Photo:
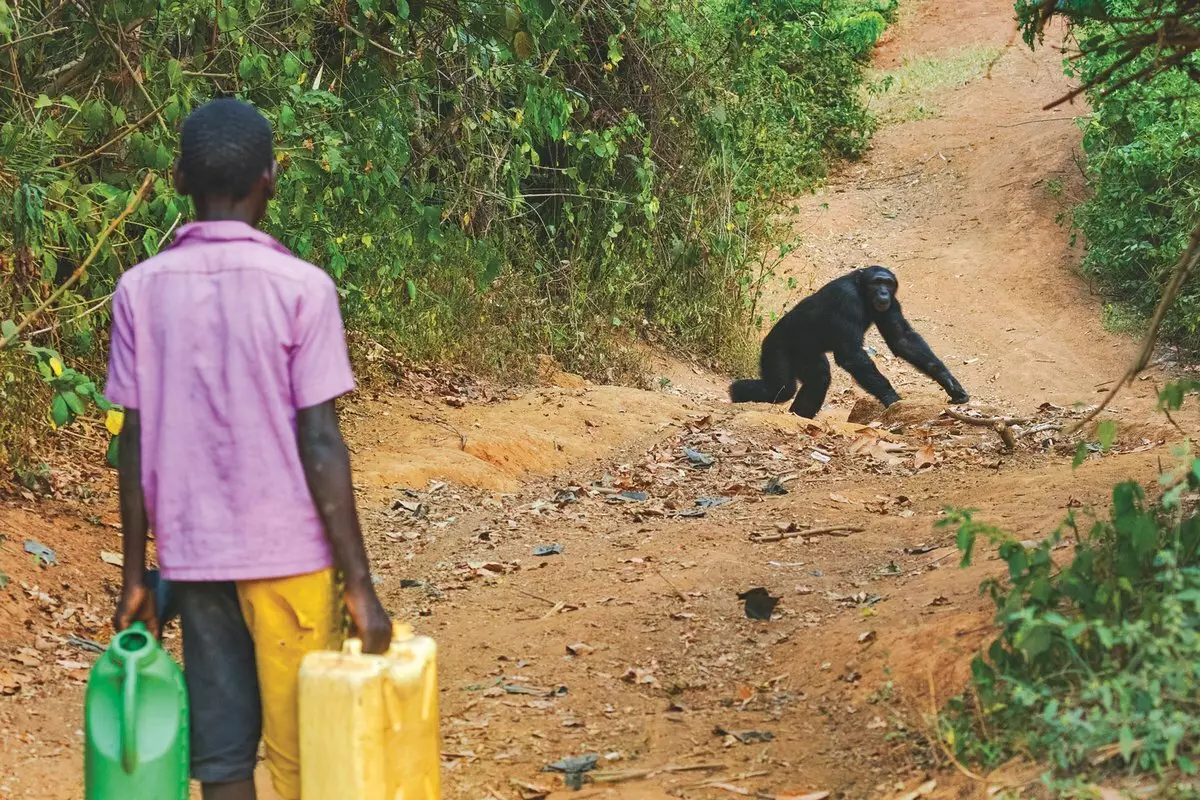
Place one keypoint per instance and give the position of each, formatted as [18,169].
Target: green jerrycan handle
[131,654]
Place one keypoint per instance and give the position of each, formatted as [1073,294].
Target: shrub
[485,182]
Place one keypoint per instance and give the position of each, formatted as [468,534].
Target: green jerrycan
[136,722]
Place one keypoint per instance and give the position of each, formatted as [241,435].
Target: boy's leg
[288,618]
[222,683]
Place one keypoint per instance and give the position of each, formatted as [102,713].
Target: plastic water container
[136,722]
[369,723]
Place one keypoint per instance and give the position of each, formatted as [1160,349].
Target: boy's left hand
[371,621]
[136,605]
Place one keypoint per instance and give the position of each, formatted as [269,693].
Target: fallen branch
[79,272]
[1001,425]
[1045,426]
[837,530]
[618,776]
[985,422]
[1183,268]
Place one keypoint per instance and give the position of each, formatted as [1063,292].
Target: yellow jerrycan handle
[401,632]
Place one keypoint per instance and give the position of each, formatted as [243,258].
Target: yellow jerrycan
[369,723]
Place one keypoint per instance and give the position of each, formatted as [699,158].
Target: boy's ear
[269,181]
[179,177]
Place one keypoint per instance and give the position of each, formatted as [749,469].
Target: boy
[227,354]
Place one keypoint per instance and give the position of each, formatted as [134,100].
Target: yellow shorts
[288,618]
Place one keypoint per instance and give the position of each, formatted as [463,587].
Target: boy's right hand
[136,605]
[371,622]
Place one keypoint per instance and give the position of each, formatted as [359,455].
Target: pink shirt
[217,341]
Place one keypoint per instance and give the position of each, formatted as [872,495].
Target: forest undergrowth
[486,182]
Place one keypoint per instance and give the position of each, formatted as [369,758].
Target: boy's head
[226,161]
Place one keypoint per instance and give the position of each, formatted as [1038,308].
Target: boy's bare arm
[136,603]
[327,470]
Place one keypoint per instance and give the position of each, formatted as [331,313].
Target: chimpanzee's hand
[958,396]
[371,622]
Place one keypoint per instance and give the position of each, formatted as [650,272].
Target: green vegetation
[902,94]
[1098,659]
[486,182]
[1143,157]
[1096,667]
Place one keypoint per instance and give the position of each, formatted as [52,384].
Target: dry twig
[836,530]
[79,272]
[1183,268]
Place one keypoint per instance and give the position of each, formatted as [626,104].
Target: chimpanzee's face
[880,288]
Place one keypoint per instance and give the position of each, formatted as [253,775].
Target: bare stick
[128,129]
[134,202]
[674,588]
[937,734]
[546,600]
[1183,268]
[984,422]
[838,530]
[637,774]
[1006,435]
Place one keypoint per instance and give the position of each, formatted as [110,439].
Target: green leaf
[1081,453]
[75,403]
[174,72]
[1127,742]
[1033,640]
[60,412]
[1106,433]
[43,102]
[49,266]
[113,451]
[8,330]
[412,290]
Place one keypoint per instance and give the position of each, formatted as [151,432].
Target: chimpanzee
[834,319]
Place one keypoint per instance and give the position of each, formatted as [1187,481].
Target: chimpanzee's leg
[813,372]
[778,382]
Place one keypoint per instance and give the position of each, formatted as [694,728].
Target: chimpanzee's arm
[855,360]
[908,344]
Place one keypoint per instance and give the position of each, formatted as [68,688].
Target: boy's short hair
[225,146]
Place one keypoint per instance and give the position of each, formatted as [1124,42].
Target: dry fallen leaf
[580,649]
[921,791]
[637,675]
[115,559]
[925,457]
[866,637]
[744,693]
[10,682]
[27,657]
[809,796]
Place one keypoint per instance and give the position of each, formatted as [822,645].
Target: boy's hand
[371,622]
[136,605]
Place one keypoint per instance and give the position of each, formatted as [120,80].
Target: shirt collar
[224,231]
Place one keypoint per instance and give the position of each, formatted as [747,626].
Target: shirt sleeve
[320,365]
[121,385]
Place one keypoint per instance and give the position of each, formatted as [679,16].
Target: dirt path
[632,642]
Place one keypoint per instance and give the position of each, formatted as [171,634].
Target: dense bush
[1143,158]
[1098,659]
[485,181]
